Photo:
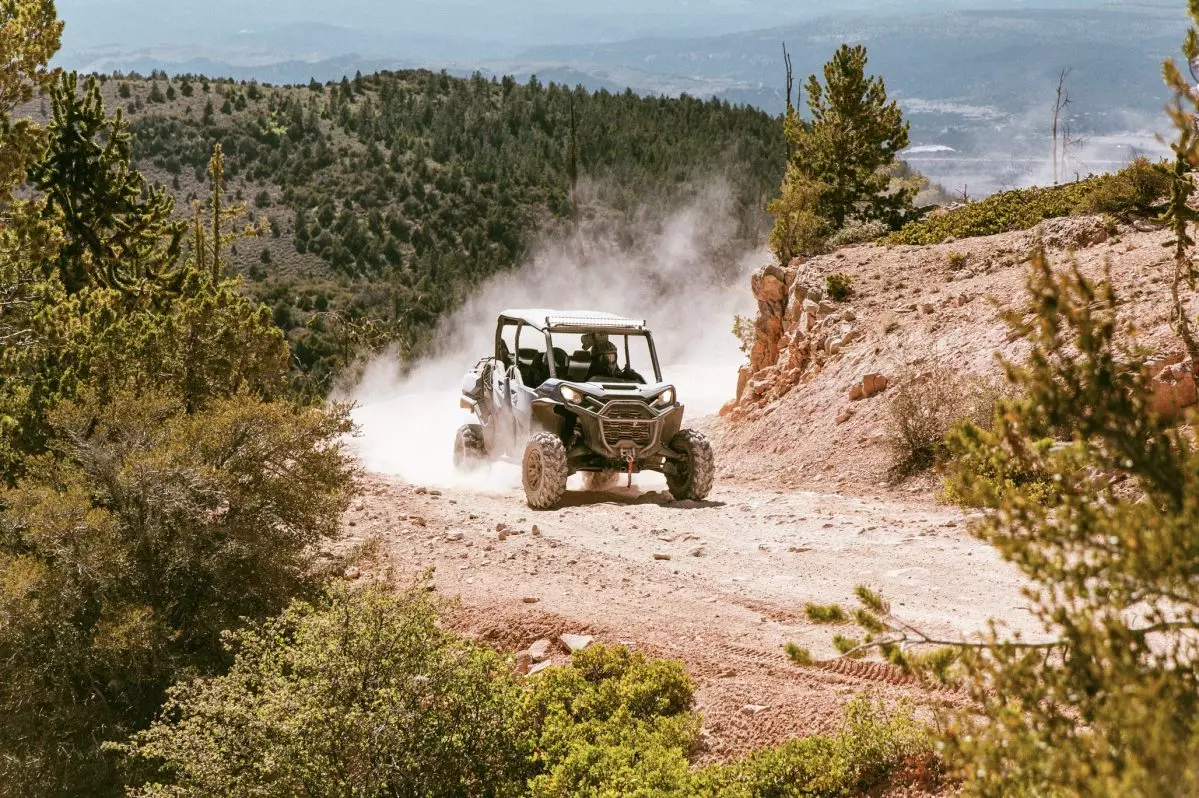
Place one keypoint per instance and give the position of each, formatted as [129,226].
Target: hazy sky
[482,28]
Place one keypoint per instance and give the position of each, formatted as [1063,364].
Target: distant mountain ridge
[975,81]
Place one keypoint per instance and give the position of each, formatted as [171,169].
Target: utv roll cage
[536,366]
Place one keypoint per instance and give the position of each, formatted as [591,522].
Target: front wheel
[696,469]
[470,453]
[544,471]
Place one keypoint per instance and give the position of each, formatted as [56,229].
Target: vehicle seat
[541,370]
[580,364]
[560,362]
[527,361]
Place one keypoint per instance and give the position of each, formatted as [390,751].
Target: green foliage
[825,613]
[957,260]
[1114,571]
[118,232]
[1132,190]
[614,723]
[29,37]
[991,480]
[849,145]
[126,552]
[799,226]
[360,693]
[1019,209]
[857,232]
[899,643]
[797,654]
[840,286]
[208,342]
[871,600]
[877,748]
[413,188]
[847,646]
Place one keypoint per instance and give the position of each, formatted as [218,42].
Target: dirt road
[720,584]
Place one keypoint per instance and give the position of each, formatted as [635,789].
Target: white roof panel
[540,317]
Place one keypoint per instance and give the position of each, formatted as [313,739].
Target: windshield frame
[611,333]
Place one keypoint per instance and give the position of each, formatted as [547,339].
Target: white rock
[576,642]
[539,667]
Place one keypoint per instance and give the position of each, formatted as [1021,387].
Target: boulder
[873,384]
[540,650]
[870,385]
[1174,389]
[539,667]
[743,376]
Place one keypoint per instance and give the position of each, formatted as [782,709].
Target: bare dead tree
[790,78]
[790,89]
[1060,103]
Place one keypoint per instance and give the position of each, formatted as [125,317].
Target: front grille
[629,411]
[639,432]
[628,421]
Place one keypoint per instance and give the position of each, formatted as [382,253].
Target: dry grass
[924,408]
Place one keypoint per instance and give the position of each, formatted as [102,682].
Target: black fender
[548,416]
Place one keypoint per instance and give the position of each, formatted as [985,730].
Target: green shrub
[1134,189]
[839,286]
[857,232]
[957,260]
[358,694]
[363,688]
[614,723]
[125,555]
[1020,209]
[798,654]
[992,482]
[875,749]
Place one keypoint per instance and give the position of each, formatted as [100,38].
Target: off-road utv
[563,393]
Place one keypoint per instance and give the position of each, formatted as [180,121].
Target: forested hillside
[386,199]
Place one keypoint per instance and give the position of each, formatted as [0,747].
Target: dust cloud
[409,412]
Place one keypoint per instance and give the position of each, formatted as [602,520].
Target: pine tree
[847,147]
[214,227]
[29,36]
[119,232]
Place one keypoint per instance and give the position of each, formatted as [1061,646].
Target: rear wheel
[600,480]
[695,471]
[545,471]
[470,453]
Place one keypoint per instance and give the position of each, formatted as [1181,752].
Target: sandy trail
[741,567]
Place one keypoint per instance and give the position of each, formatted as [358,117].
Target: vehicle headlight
[571,395]
[665,398]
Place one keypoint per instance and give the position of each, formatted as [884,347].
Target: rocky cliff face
[797,330]
[814,364]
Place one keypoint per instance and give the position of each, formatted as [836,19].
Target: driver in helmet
[604,362]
